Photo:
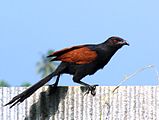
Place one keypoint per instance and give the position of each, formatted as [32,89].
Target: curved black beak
[123,42]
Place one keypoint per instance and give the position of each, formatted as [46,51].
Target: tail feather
[22,96]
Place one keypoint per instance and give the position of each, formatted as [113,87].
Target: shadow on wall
[47,104]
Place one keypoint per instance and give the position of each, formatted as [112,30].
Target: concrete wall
[69,103]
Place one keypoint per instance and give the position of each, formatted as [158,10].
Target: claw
[87,92]
[52,89]
[91,89]
[93,92]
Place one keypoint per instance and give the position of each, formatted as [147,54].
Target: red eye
[115,41]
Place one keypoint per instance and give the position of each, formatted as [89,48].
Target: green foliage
[44,66]
[49,52]
[4,83]
[25,84]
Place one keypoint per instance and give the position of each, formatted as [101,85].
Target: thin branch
[127,77]
[157,74]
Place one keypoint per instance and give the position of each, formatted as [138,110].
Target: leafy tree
[3,83]
[44,66]
[25,84]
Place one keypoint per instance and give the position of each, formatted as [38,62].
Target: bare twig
[127,77]
[157,74]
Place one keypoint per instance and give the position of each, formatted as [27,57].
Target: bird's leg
[53,87]
[90,88]
[56,82]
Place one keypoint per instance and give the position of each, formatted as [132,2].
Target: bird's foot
[52,89]
[91,88]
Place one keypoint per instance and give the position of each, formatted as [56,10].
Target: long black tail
[22,96]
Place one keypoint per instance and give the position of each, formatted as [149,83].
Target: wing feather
[77,54]
[60,52]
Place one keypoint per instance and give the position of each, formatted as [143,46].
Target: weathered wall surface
[69,103]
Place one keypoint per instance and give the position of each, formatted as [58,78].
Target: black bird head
[116,42]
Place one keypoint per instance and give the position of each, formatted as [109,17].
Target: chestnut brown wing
[76,54]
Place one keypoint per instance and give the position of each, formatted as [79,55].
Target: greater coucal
[78,61]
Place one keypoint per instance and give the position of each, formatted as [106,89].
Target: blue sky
[30,28]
